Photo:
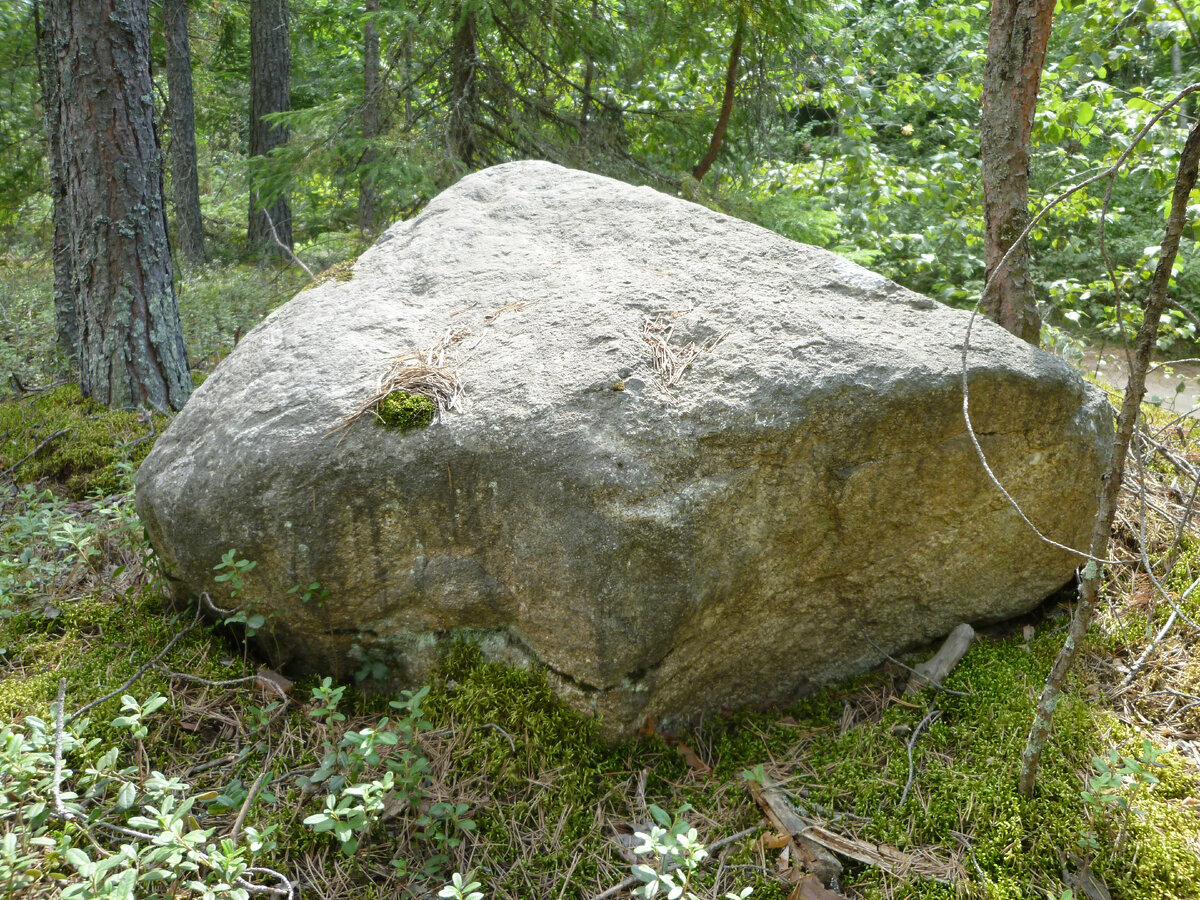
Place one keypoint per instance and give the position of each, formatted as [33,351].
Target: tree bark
[731,71]
[185,180]
[131,347]
[1135,391]
[270,92]
[66,316]
[1017,38]
[464,87]
[367,195]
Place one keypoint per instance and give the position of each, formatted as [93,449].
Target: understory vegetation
[145,745]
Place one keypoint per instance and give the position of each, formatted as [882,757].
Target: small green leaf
[127,795]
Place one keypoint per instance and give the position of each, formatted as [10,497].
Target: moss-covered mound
[405,411]
[79,446]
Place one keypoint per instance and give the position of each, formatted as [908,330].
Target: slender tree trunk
[66,317]
[464,87]
[131,347]
[408,67]
[1135,391]
[1181,119]
[367,195]
[270,92]
[589,73]
[1017,38]
[731,72]
[184,175]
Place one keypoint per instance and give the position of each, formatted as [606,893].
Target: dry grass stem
[1153,683]
[670,360]
[428,373]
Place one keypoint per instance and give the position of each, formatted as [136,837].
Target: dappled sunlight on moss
[79,446]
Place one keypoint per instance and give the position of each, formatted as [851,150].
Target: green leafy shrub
[76,820]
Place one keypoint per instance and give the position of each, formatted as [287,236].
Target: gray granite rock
[802,498]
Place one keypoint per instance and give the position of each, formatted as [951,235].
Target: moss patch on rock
[406,411]
[342,271]
[80,446]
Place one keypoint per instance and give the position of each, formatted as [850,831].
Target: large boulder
[666,539]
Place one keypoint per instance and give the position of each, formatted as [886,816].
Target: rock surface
[802,499]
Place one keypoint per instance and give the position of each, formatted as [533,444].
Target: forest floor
[359,791]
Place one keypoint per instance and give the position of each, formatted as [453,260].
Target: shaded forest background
[851,125]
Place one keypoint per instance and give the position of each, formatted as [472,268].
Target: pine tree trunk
[367,196]
[270,92]
[66,317]
[184,176]
[1017,38]
[131,347]
[464,89]
[718,135]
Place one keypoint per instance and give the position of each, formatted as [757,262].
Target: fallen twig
[24,391]
[819,840]
[11,471]
[507,736]
[250,795]
[139,673]
[1162,633]
[786,820]
[912,741]
[259,679]
[934,682]
[897,862]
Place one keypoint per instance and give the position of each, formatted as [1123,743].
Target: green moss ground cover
[80,446]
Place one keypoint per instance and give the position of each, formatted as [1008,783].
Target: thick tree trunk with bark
[185,179]
[731,72]
[367,195]
[1017,38]
[464,87]
[66,317]
[131,347]
[270,92]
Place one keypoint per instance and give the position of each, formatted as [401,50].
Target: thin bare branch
[286,249]
[1110,173]
[138,674]
[929,717]
[1135,390]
